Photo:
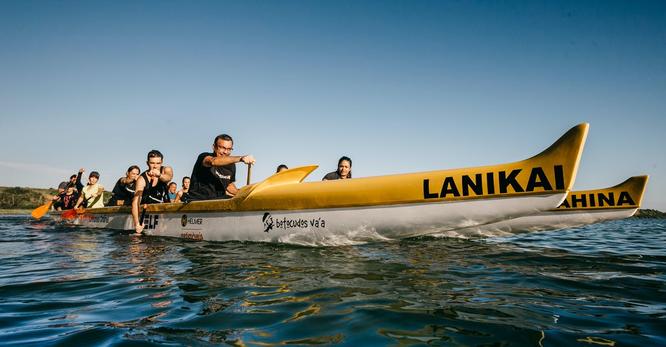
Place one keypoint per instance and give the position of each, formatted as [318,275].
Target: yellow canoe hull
[392,206]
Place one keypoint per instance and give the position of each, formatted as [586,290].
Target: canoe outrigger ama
[283,208]
[578,209]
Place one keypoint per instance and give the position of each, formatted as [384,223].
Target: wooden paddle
[149,186]
[40,211]
[249,173]
[143,215]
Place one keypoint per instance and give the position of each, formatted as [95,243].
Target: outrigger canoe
[283,208]
[578,209]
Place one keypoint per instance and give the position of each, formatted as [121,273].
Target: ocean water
[599,285]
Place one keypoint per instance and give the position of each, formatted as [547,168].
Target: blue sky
[399,86]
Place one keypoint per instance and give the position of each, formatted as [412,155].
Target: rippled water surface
[601,285]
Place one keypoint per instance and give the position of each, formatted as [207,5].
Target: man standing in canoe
[214,174]
[151,186]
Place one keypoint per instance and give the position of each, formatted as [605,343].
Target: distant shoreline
[649,213]
[19,211]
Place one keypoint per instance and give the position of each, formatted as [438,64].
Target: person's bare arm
[166,175]
[231,159]
[79,201]
[79,184]
[136,200]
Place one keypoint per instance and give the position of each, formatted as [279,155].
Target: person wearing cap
[57,202]
[92,194]
[62,186]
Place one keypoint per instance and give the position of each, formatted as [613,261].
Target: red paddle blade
[69,214]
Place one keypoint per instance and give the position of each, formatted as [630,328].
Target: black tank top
[124,192]
[207,183]
[154,195]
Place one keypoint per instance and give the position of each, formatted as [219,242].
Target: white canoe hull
[548,220]
[328,226]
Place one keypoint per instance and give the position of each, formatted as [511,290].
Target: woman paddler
[92,194]
[343,171]
[125,187]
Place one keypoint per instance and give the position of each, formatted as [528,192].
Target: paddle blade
[69,214]
[40,211]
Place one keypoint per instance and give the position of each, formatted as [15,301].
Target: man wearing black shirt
[214,174]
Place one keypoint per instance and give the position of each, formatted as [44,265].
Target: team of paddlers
[213,177]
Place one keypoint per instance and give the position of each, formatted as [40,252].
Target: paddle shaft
[249,173]
[143,216]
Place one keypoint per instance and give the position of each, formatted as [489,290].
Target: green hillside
[23,198]
[649,214]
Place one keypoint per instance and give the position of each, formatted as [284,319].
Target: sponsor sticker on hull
[191,223]
[284,223]
[192,235]
[93,218]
